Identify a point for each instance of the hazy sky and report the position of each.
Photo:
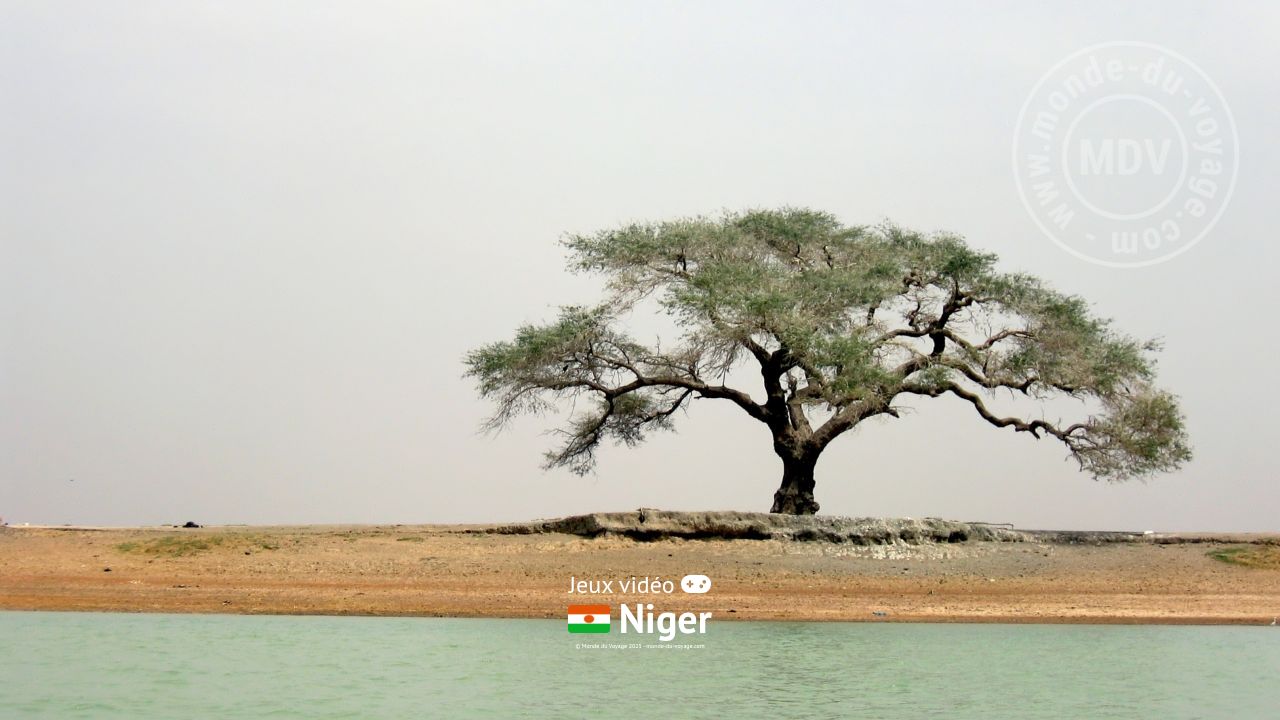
(244, 247)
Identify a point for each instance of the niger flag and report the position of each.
(588, 618)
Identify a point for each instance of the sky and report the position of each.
(244, 247)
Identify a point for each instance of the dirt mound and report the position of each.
(646, 524)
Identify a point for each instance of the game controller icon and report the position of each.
(696, 584)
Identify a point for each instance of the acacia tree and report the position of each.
(842, 323)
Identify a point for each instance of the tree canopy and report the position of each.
(842, 323)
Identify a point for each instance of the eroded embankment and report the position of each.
(648, 524)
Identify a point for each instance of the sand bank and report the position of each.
(456, 571)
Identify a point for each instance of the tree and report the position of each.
(841, 322)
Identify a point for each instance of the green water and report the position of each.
(90, 665)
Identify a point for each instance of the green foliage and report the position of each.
(625, 418)
(172, 545)
(841, 321)
(1141, 433)
(183, 545)
(1251, 556)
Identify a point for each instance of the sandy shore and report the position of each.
(444, 571)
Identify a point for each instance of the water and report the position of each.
(91, 665)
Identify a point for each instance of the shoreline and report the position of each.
(455, 571)
(1188, 621)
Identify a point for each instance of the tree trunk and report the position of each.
(795, 496)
